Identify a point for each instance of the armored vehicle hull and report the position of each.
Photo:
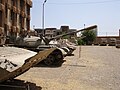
(16, 61)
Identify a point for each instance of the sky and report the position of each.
(78, 13)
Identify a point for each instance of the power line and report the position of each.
(100, 2)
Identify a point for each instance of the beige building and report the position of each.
(53, 32)
(15, 18)
(50, 32)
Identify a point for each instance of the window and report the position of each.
(16, 3)
(12, 2)
(6, 10)
(1, 18)
(28, 10)
(47, 31)
(0, 1)
(21, 4)
(20, 22)
(27, 24)
(15, 19)
(11, 16)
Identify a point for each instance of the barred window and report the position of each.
(1, 18)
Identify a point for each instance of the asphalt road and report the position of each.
(91, 68)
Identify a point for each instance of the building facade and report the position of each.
(53, 32)
(15, 18)
(50, 32)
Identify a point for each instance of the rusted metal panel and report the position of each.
(3, 72)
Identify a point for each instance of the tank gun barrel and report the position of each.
(87, 28)
(46, 40)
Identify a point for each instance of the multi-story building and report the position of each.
(15, 18)
(64, 29)
(52, 32)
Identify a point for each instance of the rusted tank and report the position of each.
(68, 46)
(63, 45)
(41, 43)
(15, 61)
(37, 44)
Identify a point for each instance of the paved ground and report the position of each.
(95, 68)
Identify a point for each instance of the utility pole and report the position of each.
(119, 32)
(43, 17)
(84, 26)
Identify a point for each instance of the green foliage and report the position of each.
(66, 37)
(89, 36)
(80, 42)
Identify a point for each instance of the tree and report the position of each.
(89, 36)
(80, 42)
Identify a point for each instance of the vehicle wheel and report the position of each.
(50, 60)
(58, 57)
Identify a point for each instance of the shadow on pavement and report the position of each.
(76, 65)
(18, 85)
(41, 64)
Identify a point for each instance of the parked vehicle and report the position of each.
(103, 42)
(15, 61)
(112, 42)
(117, 43)
(41, 43)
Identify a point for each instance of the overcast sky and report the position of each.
(77, 13)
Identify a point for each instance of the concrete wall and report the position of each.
(99, 39)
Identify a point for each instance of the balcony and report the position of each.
(2, 7)
(1, 30)
(22, 13)
(14, 9)
(29, 2)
